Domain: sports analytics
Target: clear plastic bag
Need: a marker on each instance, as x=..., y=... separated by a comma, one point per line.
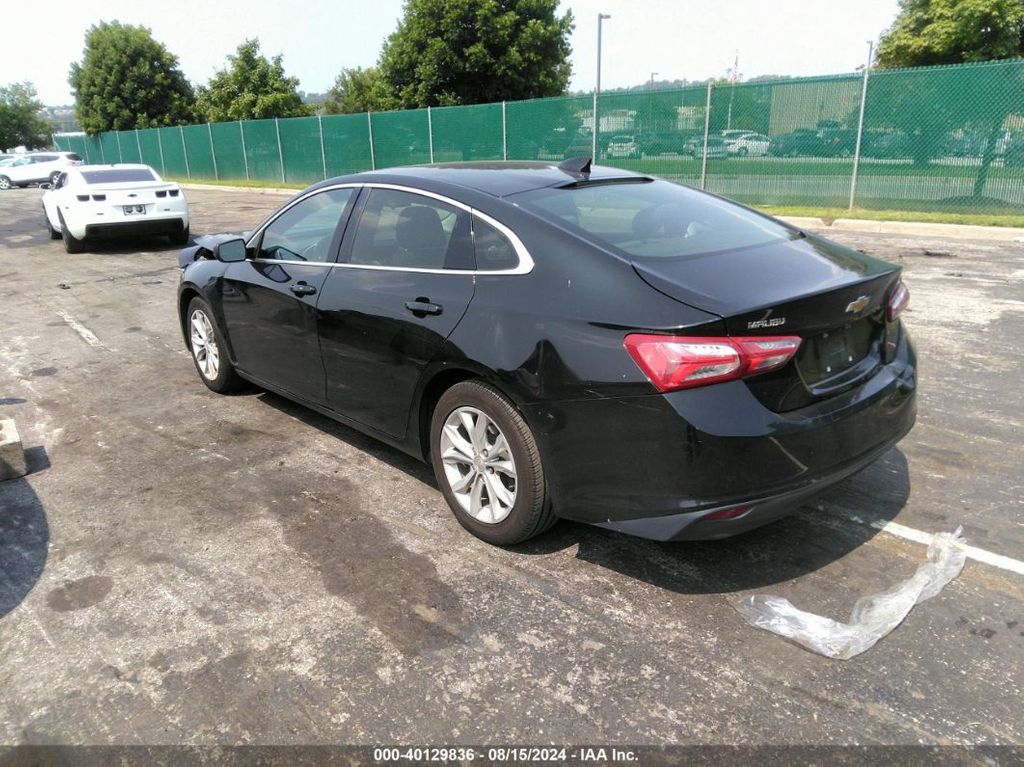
x=872, y=618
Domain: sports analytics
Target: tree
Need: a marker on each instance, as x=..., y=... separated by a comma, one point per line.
x=20, y=124
x=250, y=88
x=357, y=90
x=126, y=80
x=932, y=32
x=448, y=52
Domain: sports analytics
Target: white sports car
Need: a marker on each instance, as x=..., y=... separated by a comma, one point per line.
x=92, y=201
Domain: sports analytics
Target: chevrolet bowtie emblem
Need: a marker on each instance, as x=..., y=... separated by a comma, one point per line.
x=857, y=305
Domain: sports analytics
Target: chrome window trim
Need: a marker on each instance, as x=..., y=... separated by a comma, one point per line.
x=525, y=265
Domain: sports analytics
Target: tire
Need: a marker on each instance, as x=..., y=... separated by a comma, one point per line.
x=5, y=183
x=54, y=176
x=179, y=238
x=216, y=370
x=520, y=508
x=54, y=234
x=71, y=243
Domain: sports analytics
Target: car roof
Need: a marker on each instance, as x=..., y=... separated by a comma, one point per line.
x=110, y=166
x=496, y=178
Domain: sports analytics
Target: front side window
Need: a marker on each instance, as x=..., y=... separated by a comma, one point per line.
x=654, y=219
x=304, y=232
x=411, y=231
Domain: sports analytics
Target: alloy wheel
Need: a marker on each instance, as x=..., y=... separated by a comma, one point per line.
x=478, y=465
x=204, y=344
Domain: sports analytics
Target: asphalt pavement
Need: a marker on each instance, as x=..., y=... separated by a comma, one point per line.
x=186, y=568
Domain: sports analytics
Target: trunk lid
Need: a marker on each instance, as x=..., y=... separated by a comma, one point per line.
x=832, y=297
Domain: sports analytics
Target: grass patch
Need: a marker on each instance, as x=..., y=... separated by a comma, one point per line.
x=928, y=217
x=251, y=184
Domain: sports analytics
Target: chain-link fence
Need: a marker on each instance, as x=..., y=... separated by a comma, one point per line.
x=936, y=138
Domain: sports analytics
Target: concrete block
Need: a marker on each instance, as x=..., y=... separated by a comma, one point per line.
x=12, y=455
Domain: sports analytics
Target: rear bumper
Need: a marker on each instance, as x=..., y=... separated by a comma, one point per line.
x=657, y=465
x=136, y=228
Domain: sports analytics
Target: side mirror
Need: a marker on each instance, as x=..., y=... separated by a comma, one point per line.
x=230, y=251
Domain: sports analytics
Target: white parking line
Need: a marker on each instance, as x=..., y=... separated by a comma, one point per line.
x=973, y=552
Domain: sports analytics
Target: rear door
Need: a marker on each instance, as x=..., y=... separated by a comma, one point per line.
x=269, y=300
x=403, y=282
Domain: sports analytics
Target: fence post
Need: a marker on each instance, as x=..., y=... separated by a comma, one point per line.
x=430, y=133
x=245, y=155
x=707, y=127
x=117, y=135
x=860, y=126
x=504, y=133
x=280, y=150
x=103, y=155
x=323, y=151
x=138, y=145
x=213, y=152
x=160, y=147
x=373, y=155
x=184, y=152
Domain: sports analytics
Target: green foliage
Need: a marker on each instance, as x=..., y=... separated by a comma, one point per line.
x=250, y=88
x=447, y=52
x=127, y=80
x=357, y=90
x=20, y=124
x=929, y=32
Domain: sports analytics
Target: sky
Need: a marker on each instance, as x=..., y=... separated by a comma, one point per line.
x=678, y=39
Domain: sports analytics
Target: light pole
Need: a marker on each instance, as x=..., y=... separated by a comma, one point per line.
x=597, y=124
x=860, y=124
x=650, y=104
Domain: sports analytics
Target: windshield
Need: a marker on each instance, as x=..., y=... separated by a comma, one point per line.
x=117, y=175
x=654, y=219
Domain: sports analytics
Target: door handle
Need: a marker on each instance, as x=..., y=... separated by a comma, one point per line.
x=302, y=289
x=421, y=307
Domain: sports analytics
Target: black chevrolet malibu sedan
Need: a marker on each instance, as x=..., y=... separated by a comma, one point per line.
x=565, y=341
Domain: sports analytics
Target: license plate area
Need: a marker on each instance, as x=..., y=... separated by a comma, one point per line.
x=833, y=352
x=134, y=210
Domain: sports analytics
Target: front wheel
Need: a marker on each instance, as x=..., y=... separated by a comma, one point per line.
x=5, y=183
x=208, y=350
x=487, y=465
x=54, y=233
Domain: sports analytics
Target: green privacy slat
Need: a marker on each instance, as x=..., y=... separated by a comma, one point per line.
x=346, y=144
x=401, y=138
x=938, y=138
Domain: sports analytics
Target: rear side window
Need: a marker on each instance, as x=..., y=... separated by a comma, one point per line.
x=117, y=175
x=654, y=219
x=43, y=158
x=405, y=230
x=493, y=250
x=73, y=157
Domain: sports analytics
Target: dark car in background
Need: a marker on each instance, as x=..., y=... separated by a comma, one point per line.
x=663, y=142
x=565, y=341
x=805, y=142
x=886, y=145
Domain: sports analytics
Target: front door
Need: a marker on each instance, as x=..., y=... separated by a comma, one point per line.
x=269, y=300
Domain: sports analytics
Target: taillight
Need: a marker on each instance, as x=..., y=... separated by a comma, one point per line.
x=680, y=362
x=898, y=302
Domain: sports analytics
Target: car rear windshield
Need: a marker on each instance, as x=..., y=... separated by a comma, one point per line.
x=654, y=219
x=117, y=175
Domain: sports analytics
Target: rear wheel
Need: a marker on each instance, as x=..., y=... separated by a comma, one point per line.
x=71, y=243
x=488, y=466
x=208, y=350
x=179, y=238
x=54, y=176
x=5, y=183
